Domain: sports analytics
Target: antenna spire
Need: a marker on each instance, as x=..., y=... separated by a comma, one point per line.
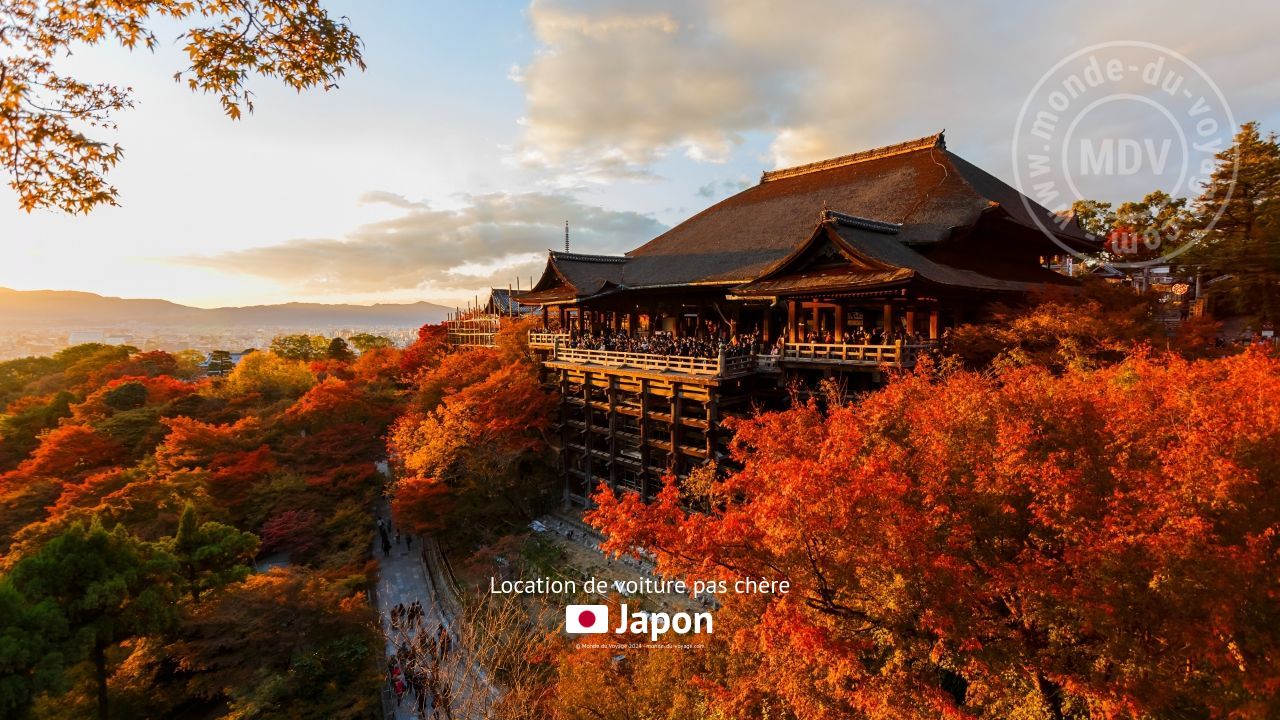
x=566, y=236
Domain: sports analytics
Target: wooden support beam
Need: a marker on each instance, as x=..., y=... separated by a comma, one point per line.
x=713, y=424
x=839, y=328
x=793, y=331
x=646, y=489
x=888, y=319
x=613, y=431
x=911, y=321
x=587, y=422
x=933, y=323
x=677, y=409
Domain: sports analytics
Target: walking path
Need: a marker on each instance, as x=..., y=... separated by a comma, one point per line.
x=402, y=579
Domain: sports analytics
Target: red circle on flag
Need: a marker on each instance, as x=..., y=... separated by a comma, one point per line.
x=586, y=618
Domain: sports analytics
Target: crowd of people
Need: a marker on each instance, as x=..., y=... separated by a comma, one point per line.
x=705, y=345
x=711, y=344
x=417, y=671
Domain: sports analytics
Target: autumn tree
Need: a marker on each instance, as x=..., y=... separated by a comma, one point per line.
x=481, y=441
x=209, y=554
x=364, y=342
x=1057, y=328
x=51, y=123
x=300, y=346
x=284, y=643
x=1095, y=544
x=269, y=377
x=107, y=585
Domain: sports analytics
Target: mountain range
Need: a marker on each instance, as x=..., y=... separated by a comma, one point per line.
x=33, y=309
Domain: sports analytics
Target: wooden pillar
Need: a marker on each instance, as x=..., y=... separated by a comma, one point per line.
x=888, y=319
x=615, y=319
x=587, y=423
x=633, y=323
x=911, y=321
x=546, y=317
x=933, y=323
x=647, y=490
x=839, y=329
x=564, y=432
x=677, y=410
x=713, y=423
x=792, y=325
x=613, y=432
x=766, y=331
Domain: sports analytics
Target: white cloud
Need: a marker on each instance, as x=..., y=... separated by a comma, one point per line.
x=618, y=85
x=488, y=240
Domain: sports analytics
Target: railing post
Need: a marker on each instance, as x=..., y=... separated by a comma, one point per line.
x=897, y=352
x=555, y=346
x=721, y=363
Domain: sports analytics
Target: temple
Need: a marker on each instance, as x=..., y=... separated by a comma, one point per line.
x=837, y=269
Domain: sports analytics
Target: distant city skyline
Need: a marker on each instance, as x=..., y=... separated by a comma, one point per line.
x=451, y=164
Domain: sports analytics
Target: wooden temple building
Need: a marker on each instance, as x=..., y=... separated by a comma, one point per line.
x=840, y=268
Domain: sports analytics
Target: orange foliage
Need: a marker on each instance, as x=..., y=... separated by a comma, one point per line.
x=159, y=390
x=377, y=365
x=426, y=351
x=194, y=444
x=420, y=504
x=69, y=452
x=1017, y=544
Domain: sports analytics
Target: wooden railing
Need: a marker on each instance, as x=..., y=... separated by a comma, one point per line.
x=643, y=361
x=547, y=340
x=897, y=354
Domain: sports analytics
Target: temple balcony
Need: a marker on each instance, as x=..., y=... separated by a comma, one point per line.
x=547, y=340
x=693, y=367
x=894, y=355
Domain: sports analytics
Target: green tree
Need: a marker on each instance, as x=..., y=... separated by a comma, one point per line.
x=364, y=342
x=339, y=350
x=1094, y=216
x=300, y=346
x=108, y=585
x=46, y=116
x=29, y=658
x=1243, y=246
x=220, y=363
x=209, y=554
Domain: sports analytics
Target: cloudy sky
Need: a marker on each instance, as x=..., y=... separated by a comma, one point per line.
x=452, y=163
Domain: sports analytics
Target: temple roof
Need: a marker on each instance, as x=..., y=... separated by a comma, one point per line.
x=869, y=254
x=926, y=191
x=574, y=275
x=505, y=301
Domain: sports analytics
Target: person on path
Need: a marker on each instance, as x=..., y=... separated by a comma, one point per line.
x=386, y=548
